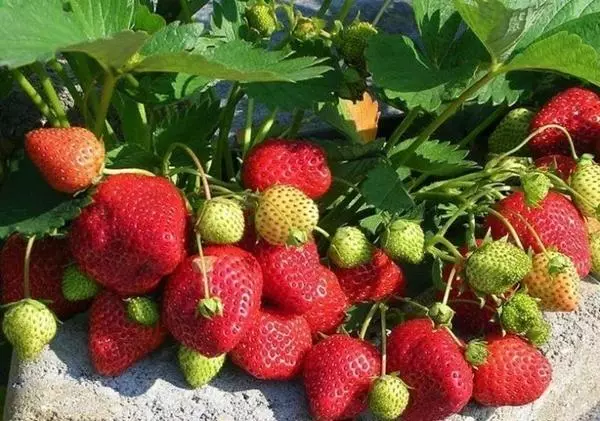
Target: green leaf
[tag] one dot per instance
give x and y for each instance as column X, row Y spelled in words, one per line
column 227, row 20
column 498, row 24
column 145, row 20
column 165, row 88
column 372, row 223
column 417, row 82
column 132, row 156
column 133, row 119
column 236, row 61
column 336, row 115
column 342, row 151
column 434, row 157
column 384, row 190
column 29, row 206
column 175, row 38
column 34, row 30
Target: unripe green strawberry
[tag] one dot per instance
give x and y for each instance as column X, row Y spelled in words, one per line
column 536, row 187
column 29, row 326
column 261, row 17
column 77, row 286
column 476, row 352
column 595, row 249
column 496, row 266
column 221, row 221
column 585, row 180
column 441, row 314
column 285, row 215
column 520, row 313
column 511, row 131
column 350, row 248
column 404, row 240
column 539, row 333
column 388, row 397
column 354, row 41
column 143, row 310
column 306, row 28
column 197, row 369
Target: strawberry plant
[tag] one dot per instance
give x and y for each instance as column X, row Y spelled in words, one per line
column 255, row 242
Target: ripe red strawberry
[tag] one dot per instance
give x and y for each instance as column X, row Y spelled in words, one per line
column 234, row 279
column 376, row 280
column 556, row 220
column 70, row 159
column 274, row 347
column 328, row 312
column 297, row 163
column 562, row 165
column 578, row 111
column 338, row 373
column 132, row 235
column 515, row 373
column 116, row 341
column 291, row 276
column 49, row 258
column 433, row 367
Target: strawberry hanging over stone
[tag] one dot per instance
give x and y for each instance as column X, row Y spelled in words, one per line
column 132, row 235
column 432, row 365
column 295, row 163
column 562, row 165
column 29, row 326
column 349, row 247
column 585, row 180
column 221, row 221
column 274, row 347
column 329, row 311
column 234, row 284
column 116, row 339
column 70, row 159
column 337, row 375
column 575, row 109
column 514, row 373
column 388, row 397
column 556, row 221
column 380, row 278
column 197, row 369
column 285, row 215
column 50, row 258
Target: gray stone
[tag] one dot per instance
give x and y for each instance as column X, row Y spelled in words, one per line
column 61, row 384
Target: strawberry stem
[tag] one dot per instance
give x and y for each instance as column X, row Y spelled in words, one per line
column 382, row 10
column 367, row 321
column 108, row 88
column 560, row 183
column 109, row 171
column 247, row 137
column 406, row 122
column 203, row 267
column 201, row 178
column 35, row 97
column 322, row 232
column 27, row 266
column 532, row 231
column 264, row 128
column 508, row 226
column 449, row 285
column 383, row 310
column 535, row 133
column 51, row 94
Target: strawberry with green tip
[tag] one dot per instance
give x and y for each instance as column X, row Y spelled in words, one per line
column 496, row 266
column 221, row 221
column 511, row 131
column 388, row 397
column 404, row 240
column 115, row 340
column 349, row 248
column 70, row 159
column 197, row 369
column 585, row 180
column 261, row 18
column 285, row 215
column 77, row 286
column 29, row 326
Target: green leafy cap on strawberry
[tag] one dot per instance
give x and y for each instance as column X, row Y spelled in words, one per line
column 197, row 369
column 307, row 28
column 539, row 333
column 476, row 352
column 78, row 286
column 349, row 248
column 441, row 314
column 404, row 240
column 388, row 397
column 536, row 186
column 221, row 221
column 143, row 310
column 520, row 313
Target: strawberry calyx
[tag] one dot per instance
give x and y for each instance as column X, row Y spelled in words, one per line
column 210, row 307
column 441, row 314
column 476, row 352
column 143, row 310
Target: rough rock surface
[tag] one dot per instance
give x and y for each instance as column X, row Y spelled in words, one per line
column 62, row 385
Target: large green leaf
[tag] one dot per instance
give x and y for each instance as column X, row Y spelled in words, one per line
column 174, row 38
column 384, row 190
column 336, row 115
column 145, row 20
column 227, row 19
column 29, row 206
column 33, row 30
column 131, row 155
column 164, row 88
column 498, row 24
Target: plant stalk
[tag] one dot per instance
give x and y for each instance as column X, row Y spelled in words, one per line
column 382, row 10
column 343, row 13
column 401, row 129
column 383, row 311
column 61, row 72
column 265, row 127
column 367, row 322
column 202, row 174
column 35, row 97
column 27, row 266
column 107, row 91
column 487, row 122
column 51, row 94
column 247, row 138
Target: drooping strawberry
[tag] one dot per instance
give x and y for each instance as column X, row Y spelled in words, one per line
column 50, row 257
column 292, row 280
column 234, row 279
column 116, row 341
column 132, row 235
column 29, row 326
column 338, row 373
column 274, row 347
column 296, row 163
column 433, row 367
column 70, row 159
column 562, row 165
column 586, row 182
column 328, row 312
column 575, row 109
column 374, row 281
column 515, row 373
column 556, row 220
